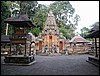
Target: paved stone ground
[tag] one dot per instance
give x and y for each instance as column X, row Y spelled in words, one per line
column 53, row 65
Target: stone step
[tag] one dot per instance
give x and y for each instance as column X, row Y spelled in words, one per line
column 93, row 60
column 51, row 54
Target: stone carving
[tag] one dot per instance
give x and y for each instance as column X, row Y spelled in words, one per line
column 50, row 36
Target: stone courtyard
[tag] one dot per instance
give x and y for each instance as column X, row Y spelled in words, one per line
column 53, row 65
column 33, row 44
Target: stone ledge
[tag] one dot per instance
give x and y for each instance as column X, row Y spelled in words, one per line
column 93, row 63
column 19, row 63
column 93, row 60
column 19, row 59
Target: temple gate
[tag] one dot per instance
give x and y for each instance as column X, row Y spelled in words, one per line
column 52, row 40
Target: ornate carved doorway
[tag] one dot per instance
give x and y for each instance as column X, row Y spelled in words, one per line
column 61, row 45
column 40, row 45
column 50, row 40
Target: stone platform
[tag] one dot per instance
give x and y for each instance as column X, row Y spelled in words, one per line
column 19, row 60
column 93, row 60
column 49, row 54
column 55, row 65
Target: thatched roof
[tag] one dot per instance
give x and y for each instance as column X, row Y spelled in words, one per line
column 78, row 39
column 21, row 20
column 94, row 32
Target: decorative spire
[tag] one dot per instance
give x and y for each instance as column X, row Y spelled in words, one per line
column 50, row 13
column 50, row 19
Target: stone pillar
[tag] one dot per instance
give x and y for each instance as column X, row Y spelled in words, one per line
column 16, row 49
column 25, row 49
column 34, row 52
column 9, row 53
column 66, row 52
column 57, row 49
column 96, row 55
column 42, row 49
column 34, row 48
column 53, row 50
column 30, row 49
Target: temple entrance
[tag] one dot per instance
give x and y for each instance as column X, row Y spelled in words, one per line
column 61, row 45
column 50, row 40
column 40, row 45
column 51, row 36
column 50, row 43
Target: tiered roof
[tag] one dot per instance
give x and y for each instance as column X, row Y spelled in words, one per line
column 20, row 20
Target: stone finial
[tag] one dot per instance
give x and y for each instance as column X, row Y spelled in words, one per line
column 50, row 19
column 50, row 13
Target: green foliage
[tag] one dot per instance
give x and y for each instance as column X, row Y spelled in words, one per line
column 28, row 7
column 65, row 17
column 34, row 31
column 84, row 31
column 4, row 14
column 41, row 16
column 9, row 9
column 10, row 29
column 33, row 10
column 63, row 11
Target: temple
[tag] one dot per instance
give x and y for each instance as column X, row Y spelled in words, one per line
column 50, row 41
column 20, row 41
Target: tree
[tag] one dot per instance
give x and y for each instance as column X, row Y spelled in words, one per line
column 5, row 12
column 31, row 8
column 64, row 14
column 40, row 17
column 12, row 8
column 28, row 7
column 65, row 17
column 94, row 25
column 63, row 11
column 84, row 31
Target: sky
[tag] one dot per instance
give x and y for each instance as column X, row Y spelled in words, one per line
column 87, row 10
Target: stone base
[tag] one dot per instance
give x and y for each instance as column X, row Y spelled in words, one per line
column 50, row 54
column 19, row 59
column 20, row 63
column 93, row 60
column 55, row 54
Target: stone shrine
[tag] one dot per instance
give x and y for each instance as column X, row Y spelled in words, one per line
column 20, row 39
column 50, row 41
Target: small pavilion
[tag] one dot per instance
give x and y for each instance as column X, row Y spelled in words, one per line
column 94, row 33
column 79, row 44
column 20, row 39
